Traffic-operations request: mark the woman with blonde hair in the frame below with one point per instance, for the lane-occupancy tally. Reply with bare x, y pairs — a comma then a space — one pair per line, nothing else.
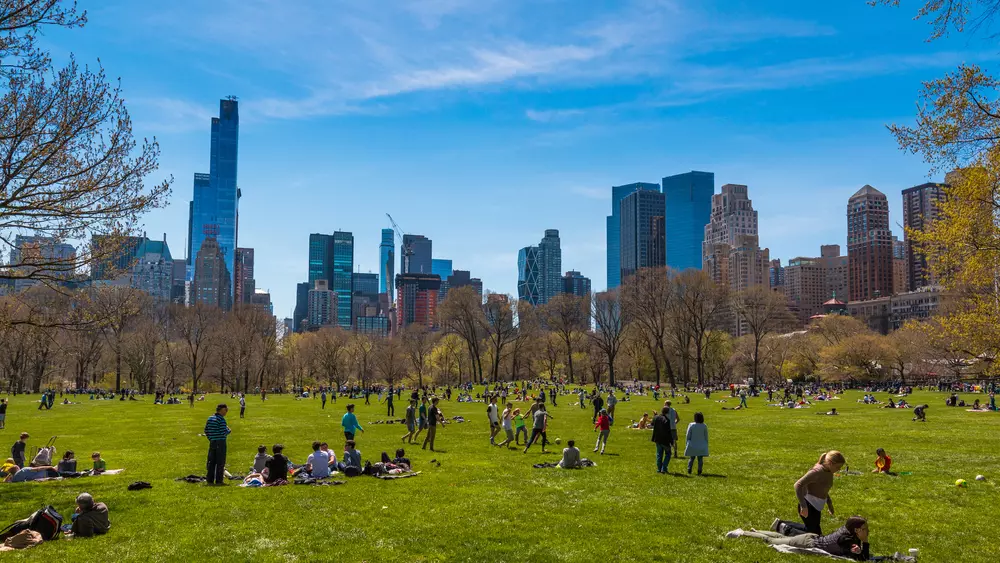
813, 491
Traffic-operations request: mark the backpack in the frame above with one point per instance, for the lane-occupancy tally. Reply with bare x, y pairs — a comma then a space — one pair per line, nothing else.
47, 522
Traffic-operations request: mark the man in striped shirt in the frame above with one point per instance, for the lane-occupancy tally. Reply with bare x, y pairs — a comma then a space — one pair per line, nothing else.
216, 431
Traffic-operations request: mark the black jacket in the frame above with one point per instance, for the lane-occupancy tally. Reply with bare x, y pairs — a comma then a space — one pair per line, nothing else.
843, 543
661, 430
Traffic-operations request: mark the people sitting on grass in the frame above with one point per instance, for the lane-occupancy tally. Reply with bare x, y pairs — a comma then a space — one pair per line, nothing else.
401, 459
277, 467
318, 463
920, 413
831, 412
260, 460
883, 463
90, 518
68, 463
333, 457
352, 459
643, 423
100, 466
571, 456
850, 541
8, 469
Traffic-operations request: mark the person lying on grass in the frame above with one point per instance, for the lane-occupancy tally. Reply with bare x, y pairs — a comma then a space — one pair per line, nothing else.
8, 469
90, 518
832, 412
850, 541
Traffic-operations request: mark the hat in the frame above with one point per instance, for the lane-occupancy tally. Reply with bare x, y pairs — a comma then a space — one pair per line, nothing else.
85, 500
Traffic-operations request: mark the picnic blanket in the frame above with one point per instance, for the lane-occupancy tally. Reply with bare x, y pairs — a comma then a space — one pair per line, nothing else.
809, 551
399, 476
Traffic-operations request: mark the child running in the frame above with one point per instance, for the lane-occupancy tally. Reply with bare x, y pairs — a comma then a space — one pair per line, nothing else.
519, 428
604, 425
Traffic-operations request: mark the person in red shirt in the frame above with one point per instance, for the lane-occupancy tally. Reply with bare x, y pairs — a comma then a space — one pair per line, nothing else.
883, 462
603, 424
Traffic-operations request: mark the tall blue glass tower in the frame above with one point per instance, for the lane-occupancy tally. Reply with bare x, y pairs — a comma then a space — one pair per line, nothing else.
441, 267
618, 193
386, 262
342, 282
214, 209
688, 202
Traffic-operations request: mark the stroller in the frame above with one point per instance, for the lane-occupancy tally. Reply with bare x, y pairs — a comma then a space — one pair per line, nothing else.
43, 456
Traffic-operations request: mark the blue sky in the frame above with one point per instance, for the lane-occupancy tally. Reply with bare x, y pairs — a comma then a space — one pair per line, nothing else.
481, 123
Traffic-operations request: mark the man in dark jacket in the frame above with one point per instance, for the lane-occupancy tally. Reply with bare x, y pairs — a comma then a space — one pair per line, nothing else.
91, 518
662, 437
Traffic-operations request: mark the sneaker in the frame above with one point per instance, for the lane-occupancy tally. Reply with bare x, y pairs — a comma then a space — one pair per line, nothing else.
775, 524
595, 450
735, 533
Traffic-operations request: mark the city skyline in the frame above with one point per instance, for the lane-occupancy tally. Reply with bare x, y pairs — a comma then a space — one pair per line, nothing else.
553, 115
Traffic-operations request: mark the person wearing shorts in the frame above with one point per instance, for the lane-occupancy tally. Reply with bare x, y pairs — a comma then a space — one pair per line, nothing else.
411, 421
491, 413
507, 417
519, 427
421, 418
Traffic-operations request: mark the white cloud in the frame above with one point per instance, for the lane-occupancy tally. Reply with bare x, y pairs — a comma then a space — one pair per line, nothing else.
169, 115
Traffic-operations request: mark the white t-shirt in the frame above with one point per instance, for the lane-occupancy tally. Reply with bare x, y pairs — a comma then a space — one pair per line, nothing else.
320, 462
492, 412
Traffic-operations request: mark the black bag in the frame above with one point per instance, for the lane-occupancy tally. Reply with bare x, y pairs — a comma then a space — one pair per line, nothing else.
139, 485
46, 522
351, 471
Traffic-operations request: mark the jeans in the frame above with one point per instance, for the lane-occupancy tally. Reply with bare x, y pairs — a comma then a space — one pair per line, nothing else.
242, 411
662, 457
349, 435
602, 440
216, 462
691, 464
535, 433
517, 435
431, 432
804, 541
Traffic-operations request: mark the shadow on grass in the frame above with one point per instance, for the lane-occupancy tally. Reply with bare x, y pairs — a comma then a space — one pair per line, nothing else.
714, 476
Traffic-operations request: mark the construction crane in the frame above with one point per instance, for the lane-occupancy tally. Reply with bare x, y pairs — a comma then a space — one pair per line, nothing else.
407, 248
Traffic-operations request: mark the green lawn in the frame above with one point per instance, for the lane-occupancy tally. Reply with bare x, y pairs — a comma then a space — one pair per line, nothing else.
488, 504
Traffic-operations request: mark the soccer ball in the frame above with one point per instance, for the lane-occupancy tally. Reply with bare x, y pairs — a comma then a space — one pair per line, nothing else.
558, 440
980, 477
960, 483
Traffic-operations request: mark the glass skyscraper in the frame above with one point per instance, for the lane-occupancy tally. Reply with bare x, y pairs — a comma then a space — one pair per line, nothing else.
539, 270
386, 262
614, 228
342, 282
215, 206
319, 257
420, 257
688, 208
441, 267
642, 232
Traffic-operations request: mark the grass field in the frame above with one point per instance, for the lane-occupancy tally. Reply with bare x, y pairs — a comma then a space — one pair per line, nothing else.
488, 504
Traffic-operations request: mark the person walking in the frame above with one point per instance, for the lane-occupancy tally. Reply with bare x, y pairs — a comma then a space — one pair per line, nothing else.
322, 400
3, 414
507, 418
583, 398
411, 421
604, 425
662, 437
494, 418
696, 442
612, 401
350, 423
243, 404
433, 417
540, 424
743, 399
674, 418
216, 430
598, 403
813, 491
390, 409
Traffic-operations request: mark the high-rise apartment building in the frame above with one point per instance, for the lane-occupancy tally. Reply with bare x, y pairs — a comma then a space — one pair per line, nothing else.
618, 193
461, 278
262, 300
810, 282
900, 269
387, 261
420, 252
153, 269
214, 209
416, 299
342, 276
178, 286
575, 283
322, 306
731, 253
539, 270
869, 245
687, 209
643, 239
246, 286
112, 256
36, 257
921, 208
212, 279
776, 273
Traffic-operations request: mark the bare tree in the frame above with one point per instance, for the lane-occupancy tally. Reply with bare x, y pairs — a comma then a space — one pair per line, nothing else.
69, 165
567, 316
390, 360
418, 344
608, 335
195, 327
763, 311
698, 306
500, 330
330, 354
138, 351
528, 330
462, 314
363, 353
118, 308
648, 298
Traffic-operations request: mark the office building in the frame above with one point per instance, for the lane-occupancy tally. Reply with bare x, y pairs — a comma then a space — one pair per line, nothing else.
921, 208
900, 269
776, 273
212, 278
214, 209
322, 306
246, 286
262, 300
642, 242
372, 326
342, 276
35, 257
320, 257
419, 259
461, 278
574, 283
539, 270
441, 268
618, 193
810, 282
887, 313
387, 260
869, 245
416, 300
687, 209
732, 256
112, 256
300, 315
366, 284
178, 286
153, 269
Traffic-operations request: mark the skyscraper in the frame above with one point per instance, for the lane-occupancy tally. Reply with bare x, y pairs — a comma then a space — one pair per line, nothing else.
811, 282
441, 267
214, 209
301, 314
322, 308
153, 269
320, 257
366, 284
419, 259
115, 255
642, 238
614, 228
688, 208
869, 245
539, 270
36, 257
575, 283
386, 261
461, 278
246, 286
342, 276
921, 208
212, 278
416, 300
731, 253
